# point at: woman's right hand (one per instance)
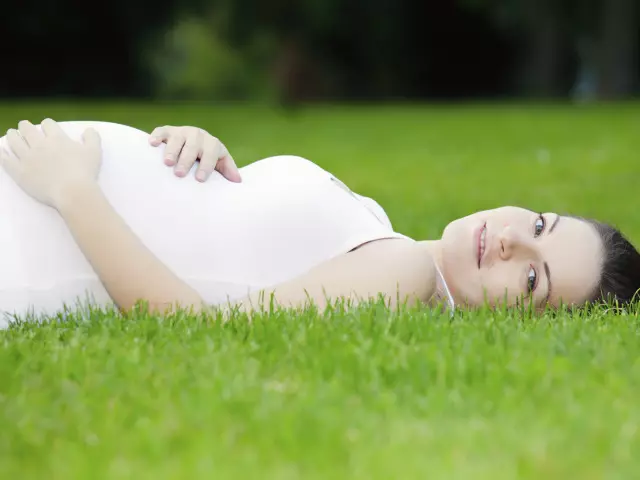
(47, 164)
(188, 145)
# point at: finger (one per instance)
(211, 152)
(91, 138)
(227, 167)
(159, 135)
(12, 166)
(51, 128)
(17, 144)
(174, 146)
(29, 132)
(190, 153)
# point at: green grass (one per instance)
(354, 393)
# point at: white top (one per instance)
(222, 238)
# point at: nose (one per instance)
(512, 244)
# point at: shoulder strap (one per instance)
(443, 285)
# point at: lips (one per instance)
(481, 243)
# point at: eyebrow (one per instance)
(546, 265)
(546, 270)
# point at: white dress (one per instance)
(222, 238)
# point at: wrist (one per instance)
(75, 194)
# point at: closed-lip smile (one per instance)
(482, 243)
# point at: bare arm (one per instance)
(400, 270)
(130, 272)
(126, 267)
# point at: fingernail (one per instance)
(180, 171)
(169, 161)
(201, 175)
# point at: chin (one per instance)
(459, 258)
(457, 240)
(464, 224)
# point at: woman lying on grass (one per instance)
(123, 229)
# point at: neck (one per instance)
(434, 248)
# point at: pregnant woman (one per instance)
(88, 212)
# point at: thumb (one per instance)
(91, 138)
(12, 166)
(227, 167)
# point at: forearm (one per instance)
(126, 267)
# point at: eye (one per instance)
(539, 226)
(532, 279)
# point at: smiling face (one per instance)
(512, 253)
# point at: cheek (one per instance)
(493, 286)
(465, 283)
(502, 283)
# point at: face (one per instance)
(512, 253)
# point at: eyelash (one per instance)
(532, 288)
(544, 224)
(531, 267)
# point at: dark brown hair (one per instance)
(620, 276)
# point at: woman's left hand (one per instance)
(188, 145)
(48, 164)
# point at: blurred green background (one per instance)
(425, 164)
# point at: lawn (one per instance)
(354, 393)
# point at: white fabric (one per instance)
(223, 239)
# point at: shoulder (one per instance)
(400, 270)
(387, 266)
(400, 255)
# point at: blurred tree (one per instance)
(618, 48)
(191, 62)
(321, 49)
(366, 49)
(572, 42)
(74, 48)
